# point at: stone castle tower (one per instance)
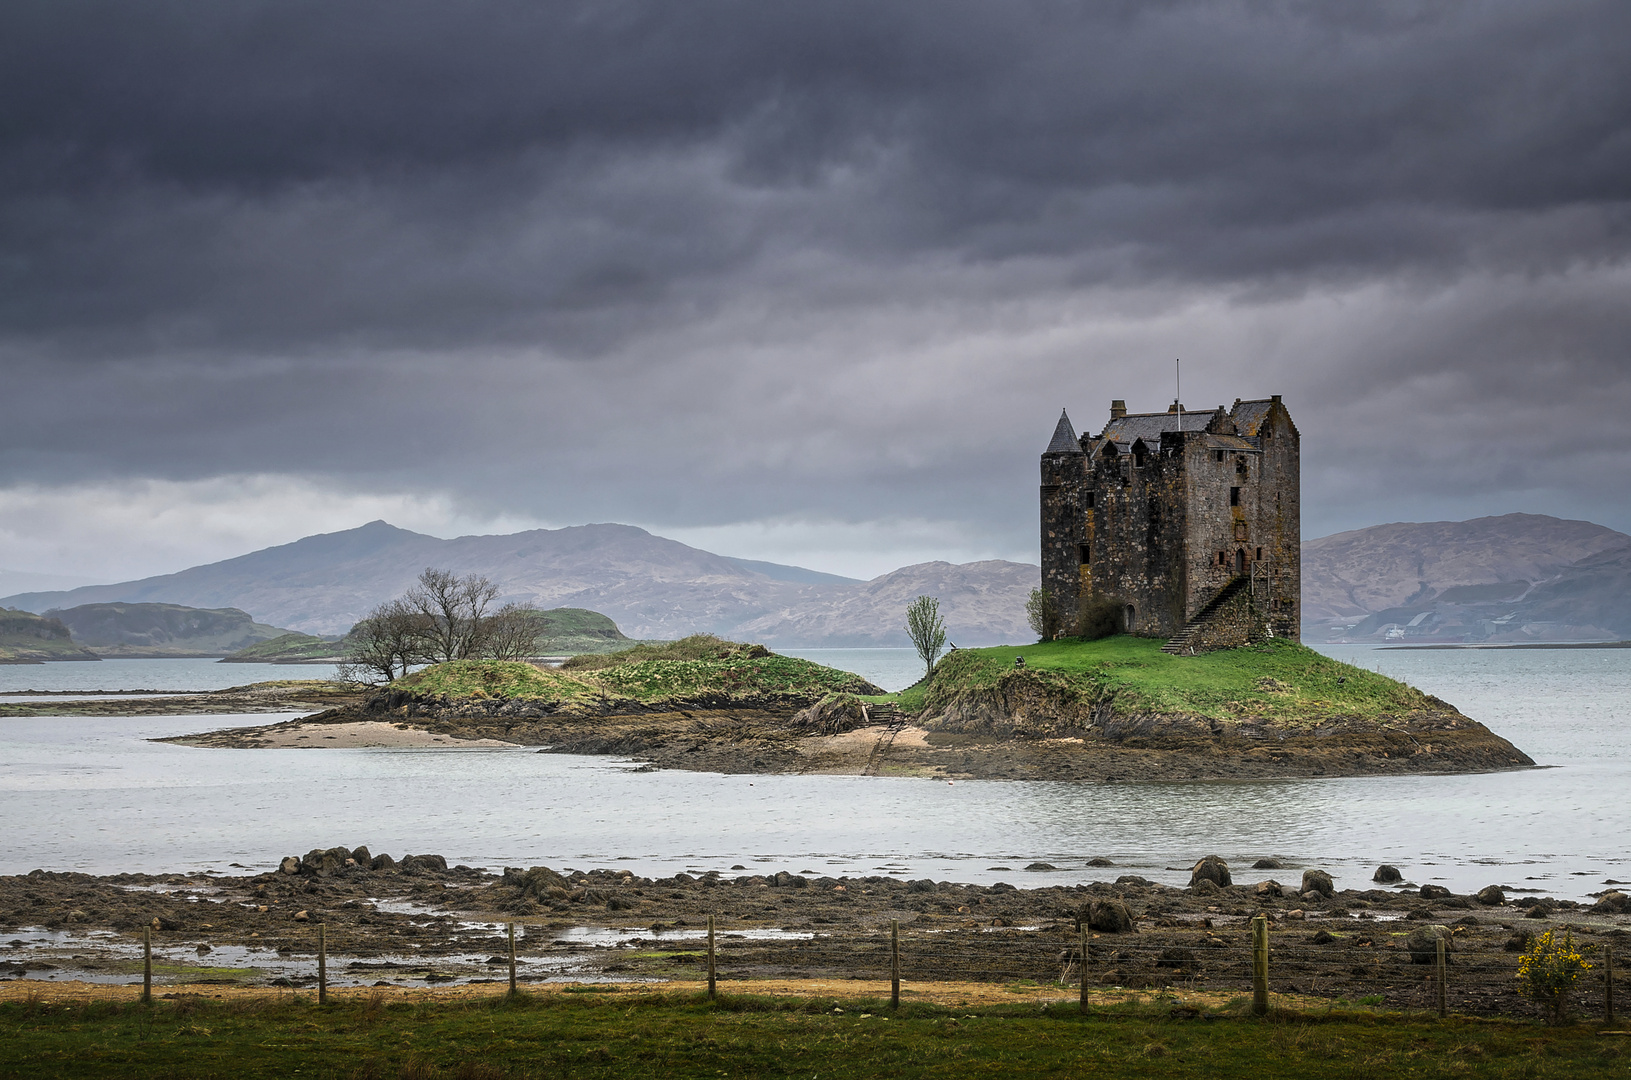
(1188, 522)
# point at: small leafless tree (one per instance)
(512, 633)
(384, 645)
(454, 612)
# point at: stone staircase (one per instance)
(1179, 645)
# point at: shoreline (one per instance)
(761, 741)
(415, 922)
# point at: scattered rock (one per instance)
(1041, 866)
(1100, 861)
(1387, 875)
(382, 861)
(1296, 913)
(1205, 887)
(166, 923)
(1422, 943)
(433, 863)
(302, 916)
(785, 880)
(320, 862)
(1491, 896)
(1317, 881)
(1176, 956)
(362, 856)
(1211, 869)
(1268, 864)
(1133, 879)
(535, 883)
(1324, 937)
(1518, 942)
(1269, 888)
(1110, 917)
(1435, 892)
(289, 865)
(1613, 902)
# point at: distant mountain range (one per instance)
(651, 586)
(1514, 578)
(1520, 577)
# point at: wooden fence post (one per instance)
(1443, 990)
(322, 963)
(1084, 968)
(1608, 984)
(512, 958)
(894, 963)
(1260, 965)
(712, 989)
(147, 965)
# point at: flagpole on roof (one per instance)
(1178, 374)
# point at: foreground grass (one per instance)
(611, 1034)
(1278, 680)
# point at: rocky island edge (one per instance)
(1102, 711)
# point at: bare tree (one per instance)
(512, 632)
(385, 644)
(454, 611)
(927, 630)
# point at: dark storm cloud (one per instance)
(750, 244)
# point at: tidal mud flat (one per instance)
(415, 921)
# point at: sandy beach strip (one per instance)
(355, 734)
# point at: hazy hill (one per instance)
(27, 638)
(650, 586)
(1485, 579)
(162, 629)
(981, 602)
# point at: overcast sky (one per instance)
(798, 281)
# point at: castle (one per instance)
(1188, 523)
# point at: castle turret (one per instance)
(1064, 476)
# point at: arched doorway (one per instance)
(1240, 560)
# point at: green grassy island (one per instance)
(1107, 710)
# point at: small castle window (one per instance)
(1234, 496)
(1138, 455)
(1130, 612)
(1240, 465)
(1218, 455)
(1090, 500)
(1259, 554)
(1086, 552)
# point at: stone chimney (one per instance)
(1118, 409)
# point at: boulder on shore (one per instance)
(1318, 882)
(1269, 888)
(1491, 896)
(536, 883)
(1435, 892)
(1423, 944)
(1213, 869)
(1387, 875)
(1110, 917)
(1614, 902)
(1268, 864)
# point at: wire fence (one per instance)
(1443, 973)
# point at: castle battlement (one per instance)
(1189, 521)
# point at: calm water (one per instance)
(148, 675)
(91, 794)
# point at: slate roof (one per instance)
(1249, 416)
(1128, 429)
(1064, 438)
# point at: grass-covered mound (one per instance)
(494, 679)
(287, 649)
(1279, 681)
(698, 668)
